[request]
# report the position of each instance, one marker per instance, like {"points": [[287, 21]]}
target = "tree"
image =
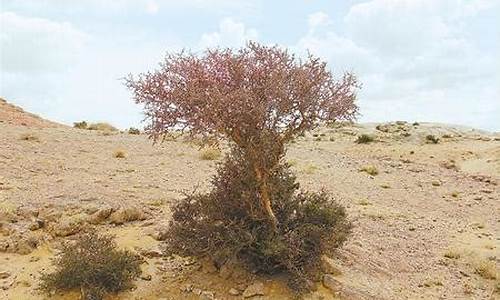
{"points": [[258, 97]]}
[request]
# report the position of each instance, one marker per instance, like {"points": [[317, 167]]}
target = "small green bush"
{"points": [[92, 265], [226, 223], [102, 127], [80, 125], [431, 139], [364, 139], [133, 130]]}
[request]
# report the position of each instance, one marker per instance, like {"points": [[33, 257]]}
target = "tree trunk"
{"points": [[265, 197]]}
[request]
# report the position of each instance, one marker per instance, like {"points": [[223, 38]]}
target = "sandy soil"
{"points": [[427, 200]]}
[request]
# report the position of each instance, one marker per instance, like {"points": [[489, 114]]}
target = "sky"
{"points": [[418, 60]]}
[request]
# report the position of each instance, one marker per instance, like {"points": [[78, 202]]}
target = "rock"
{"points": [[329, 266], [207, 295], [232, 269], [26, 245], [4, 274], [255, 289], [36, 224], [151, 253], [68, 226], [208, 266], [100, 215], [146, 277], [5, 285], [127, 214], [160, 233], [331, 283], [436, 183], [234, 292], [197, 291]]}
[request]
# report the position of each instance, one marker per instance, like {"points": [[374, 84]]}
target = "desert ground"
{"points": [[426, 216]]}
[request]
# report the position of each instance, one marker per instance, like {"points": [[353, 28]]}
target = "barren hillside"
{"points": [[426, 222]]}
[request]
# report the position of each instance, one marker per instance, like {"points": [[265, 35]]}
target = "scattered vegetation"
{"points": [[133, 130], [119, 154], [369, 169], [30, 137], [102, 127], [80, 125], [210, 154], [431, 139], [364, 139], [93, 265]]}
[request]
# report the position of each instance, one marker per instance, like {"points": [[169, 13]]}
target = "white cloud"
{"points": [[230, 34], [415, 60], [152, 7], [36, 44], [318, 19]]}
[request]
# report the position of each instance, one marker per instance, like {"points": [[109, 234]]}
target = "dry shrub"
{"points": [[119, 154], [30, 137], [486, 268], [102, 127], [364, 139], [210, 154], [80, 125], [371, 170], [133, 130], [431, 139], [229, 223], [94, 266]]}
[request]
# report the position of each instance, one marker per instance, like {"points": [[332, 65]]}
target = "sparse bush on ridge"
{"points": [[92, 265], [364, 139], [80, 125], [259, 99], [101, 126], [133, 130]]}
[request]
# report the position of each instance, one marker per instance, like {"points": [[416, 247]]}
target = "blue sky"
{"points": [[419, 60]]}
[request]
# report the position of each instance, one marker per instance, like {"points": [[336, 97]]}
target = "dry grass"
{"points": [[310, 169], [119, 154], [452, 254], [210, 154], [29, 137], [485, 268], [364, 202], [369, 169]]}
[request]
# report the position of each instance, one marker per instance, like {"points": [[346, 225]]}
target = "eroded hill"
{"points": [[425, 214]]}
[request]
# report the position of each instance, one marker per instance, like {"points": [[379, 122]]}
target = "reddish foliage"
{"points": [[258, 97]]}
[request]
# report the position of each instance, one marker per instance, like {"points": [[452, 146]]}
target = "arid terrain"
{"points": [[426, 215]]}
